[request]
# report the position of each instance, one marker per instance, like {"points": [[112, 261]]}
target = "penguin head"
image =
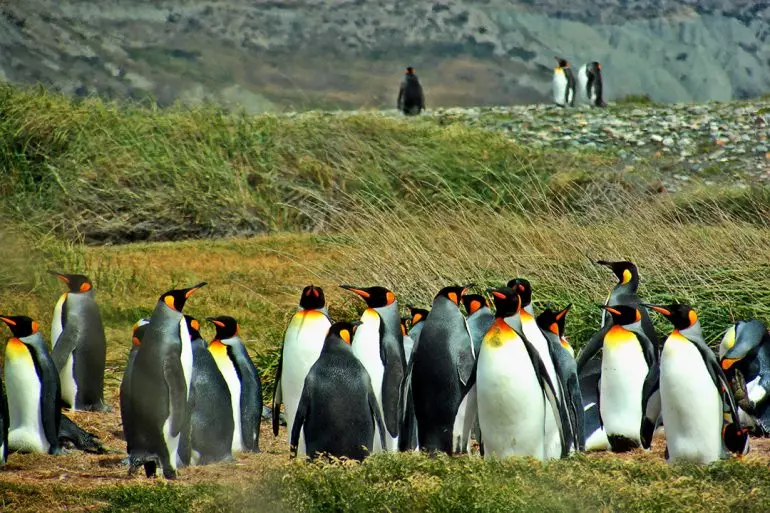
{"points": [[137, 332], [623, 315], [312, 298], [375, 297], [523, 289], [226, 327], [75, 282], [21, 325], [625, 271], [409, 70], [175, 299], [740, 340], [418, 315], [506, 300], [562, 62], [736, 438], [343, 330], [680, 315], [473, 303], [193, 327], [553, 321], [454, 293]]}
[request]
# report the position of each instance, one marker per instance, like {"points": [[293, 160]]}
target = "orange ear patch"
{"points": [[345, 335], [35, 327], [85, 287], [195, 325], [638, 315], [417, 318], [453, 297], [475, 305], [554, 328], [391, 297], [169, 300], [693, 317]]}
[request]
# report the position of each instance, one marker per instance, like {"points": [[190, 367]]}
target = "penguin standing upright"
{"points": [[3, 426], [159, 387], [590, 85], [301, 347], [378, 344], [744, 354], [227, 343], [137, 333], [211, 421], [699, 409], [513, 388], [79, 345], [338, 410], [563, 84], [33, 389], [442, 369], [411, 99], [407, 440]]}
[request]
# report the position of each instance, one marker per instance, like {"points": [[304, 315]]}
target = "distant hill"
{"points": [[272, 54]]}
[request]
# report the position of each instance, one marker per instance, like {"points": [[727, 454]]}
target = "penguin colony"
{"points": [[434, 381]]}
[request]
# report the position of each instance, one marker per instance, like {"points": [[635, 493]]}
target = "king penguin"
{"points": [[378, 344], [590, 86], [407, 440], [3, 426], [513, 388], [698, 405], [338, 410], [442, 369], [563, 84], [302, 345], [79, 345], [744, 354], [160, 386], [211, 422], [227, 347], [479, 318], [33, 389], [408, 341], [137, 333]]}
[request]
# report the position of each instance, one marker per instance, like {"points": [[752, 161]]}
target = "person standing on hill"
{"points": [[411, 100]]}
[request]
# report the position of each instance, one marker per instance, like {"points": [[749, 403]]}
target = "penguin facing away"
{"points": [[302, 344], [79, 344], [211, 422], [563, 84], [744, 355], [590, 85], [228, 344], [338, 410], [137, 333], [699, 409], [159, 387], [407, 440], [378, 344], [442, 371], [513, 388], [411, 100], [32, 384]]}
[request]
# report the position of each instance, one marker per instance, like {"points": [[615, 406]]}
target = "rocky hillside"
{"points": [[268, 54]]}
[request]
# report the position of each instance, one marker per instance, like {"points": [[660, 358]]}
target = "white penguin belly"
{"points": [[69, 388], [559, 85], [228, 371], [366, 347], [23, 389], [187, 356], [582, 96], [510, 402], [302, 346], [692, 408], [623, 372]]}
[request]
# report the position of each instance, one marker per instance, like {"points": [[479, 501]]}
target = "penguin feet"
{"points": [[169, 473], [100, 407], [620, 443]]}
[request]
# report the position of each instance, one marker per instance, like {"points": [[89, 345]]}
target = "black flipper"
{"points": [[64, 346], [173, 374], [392, 383], [592, 347], [277, 394], [650, 396], [50, 397], [77, 436], [299, 420]]}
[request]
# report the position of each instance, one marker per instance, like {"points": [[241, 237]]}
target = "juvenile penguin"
{"points": [[442, 369], [698, 404], [744, 354], [302, 345], [513, 388], [211, 423], [33, 389], [411, 99], [480, 318], [160, 386], [338, 410], [79, 345], [407, 440], [137, 333], [563, 84], [628, 358], [378, 344], [590, 85], [233, 361]]}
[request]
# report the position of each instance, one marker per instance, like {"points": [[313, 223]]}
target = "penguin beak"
{"points": [[563, 312], [215, 322], [364, 294], [9, 322], [189, 292], [659, 309], [610, 310], [61, 277]]}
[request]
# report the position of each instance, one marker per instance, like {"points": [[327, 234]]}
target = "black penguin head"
{"points": [[553, 321], [523, 289], [343, 330], [736, 438], [562, 62], [740, 340], [409, 70], [454, 293], [375, 297], [312, 298], [226, 326], [623, 315], [75, 282], [21, 325], [595, 67], [175, 299], [625, 271], [680, 315], [418, 315], [193, 327], [137, 331], [473, 303], [506, 300]]}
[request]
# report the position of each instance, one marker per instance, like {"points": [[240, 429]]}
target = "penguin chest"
{"points": [[366, 347], [624, 370], [227, 368], [690, 402], [559, 85], [537, 339], [23, 386], [187, 354], [69, 387]]}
